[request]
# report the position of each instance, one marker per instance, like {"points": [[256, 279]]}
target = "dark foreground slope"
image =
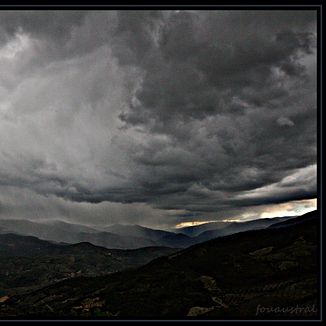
{"points": [[239, 276], [28, 263]]}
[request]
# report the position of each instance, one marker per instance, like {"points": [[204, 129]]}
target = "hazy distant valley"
{"points": [[212, 274]]}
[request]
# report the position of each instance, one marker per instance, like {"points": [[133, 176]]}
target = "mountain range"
{"points": [[265, 273], [130, 236]]}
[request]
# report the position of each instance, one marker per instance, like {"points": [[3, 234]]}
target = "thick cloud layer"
{"points": [[182, 112]]}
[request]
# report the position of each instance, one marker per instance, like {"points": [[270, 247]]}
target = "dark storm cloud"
{"points": [[194, 71], [194, 111], [53, 28], [296, 194], [48, 23], [245, 71], [58, 35]]}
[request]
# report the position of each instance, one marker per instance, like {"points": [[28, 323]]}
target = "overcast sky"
{"points": [[157, 117]]}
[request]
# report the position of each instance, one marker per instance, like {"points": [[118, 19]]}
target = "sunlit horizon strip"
{"points": [[293, 208]]}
